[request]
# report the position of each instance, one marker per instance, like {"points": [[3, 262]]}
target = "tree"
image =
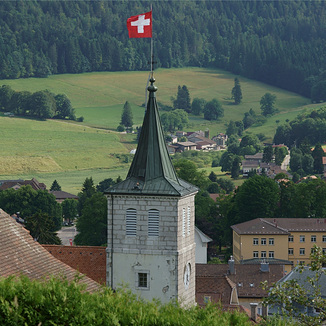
{"points": [[197, 106], [188, 171], [64, 107], [20, 103], [126, 117], [88, 191], [267, 104], [227, 161], [213, 110], [6, 92], [42, 105], [280, 153], [41, 227], [268, 154], [92, 224], [105, 184], [257, 197], [301, 290], [212, 176], [55, 186], [249, 118], [236, 91], [174, 120], [69, 209], [235, 171], [182, 101], [317, 155]]}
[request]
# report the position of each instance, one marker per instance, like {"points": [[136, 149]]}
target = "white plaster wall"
{"points": [[201, 250]]}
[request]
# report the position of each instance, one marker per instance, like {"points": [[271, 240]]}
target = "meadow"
{"points": [[69, 151]]}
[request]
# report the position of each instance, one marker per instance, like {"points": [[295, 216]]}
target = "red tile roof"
{"points": [[20, 254], [88, 260]]}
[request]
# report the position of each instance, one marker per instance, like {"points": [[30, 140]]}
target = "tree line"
{"points": [[281, 43], [41, 104]]}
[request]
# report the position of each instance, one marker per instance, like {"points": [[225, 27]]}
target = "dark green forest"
{"points": [[282, 43]]}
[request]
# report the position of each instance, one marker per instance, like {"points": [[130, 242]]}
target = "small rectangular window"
{"points": [[290, 251], [263, 254], [324, 250], [271, 241], [290, 238], [207, 299], [255, 254], [263, 241], [302, 238], [302, 251], [324, 238], [255, 241], [142, 280], [313, 238], [271, 254]]}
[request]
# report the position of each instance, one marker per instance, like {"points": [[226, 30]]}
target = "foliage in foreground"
{"points": [[303, 293], [59, 302]]}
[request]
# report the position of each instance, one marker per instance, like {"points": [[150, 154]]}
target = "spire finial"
{"points": [[151, 87]]}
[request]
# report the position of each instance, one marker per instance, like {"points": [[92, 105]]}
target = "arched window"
{"points": [[153, 222], [131, 222]]}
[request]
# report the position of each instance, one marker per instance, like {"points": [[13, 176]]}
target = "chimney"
{"points": [[231, 266], [253, 307], [264, 267]]}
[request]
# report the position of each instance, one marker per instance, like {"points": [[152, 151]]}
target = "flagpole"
{"points": [[152, 56], [151, 74]]}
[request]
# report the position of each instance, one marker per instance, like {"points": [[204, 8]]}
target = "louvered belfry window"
{"points": [[131, 222], [153, 222]]}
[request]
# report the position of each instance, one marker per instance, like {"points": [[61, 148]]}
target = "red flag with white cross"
{"points": [[140, 25]]}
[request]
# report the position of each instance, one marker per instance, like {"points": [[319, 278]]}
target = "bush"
{"points": [[60, 302], [80, 119], [120, 128]]}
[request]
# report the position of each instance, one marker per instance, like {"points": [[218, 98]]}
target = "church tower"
{"points": [[151, 221]]}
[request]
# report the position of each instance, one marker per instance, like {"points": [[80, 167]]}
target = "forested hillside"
{"points": [[278, 42]]}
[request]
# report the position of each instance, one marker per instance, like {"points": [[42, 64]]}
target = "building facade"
{"points": [[151, 222], [290, 239]]}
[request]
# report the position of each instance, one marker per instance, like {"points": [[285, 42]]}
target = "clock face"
{"points": [[186, 275]]}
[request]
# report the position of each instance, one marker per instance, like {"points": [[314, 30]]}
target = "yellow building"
{"points": [[288, 239]]}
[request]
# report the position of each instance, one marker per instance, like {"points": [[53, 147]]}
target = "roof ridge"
{"points": [[274, 225]]}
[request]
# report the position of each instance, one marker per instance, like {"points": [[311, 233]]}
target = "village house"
{"points": [[288, 239], [235, 284]]}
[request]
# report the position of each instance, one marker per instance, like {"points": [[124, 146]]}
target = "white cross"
{"points": [[140, 23]]}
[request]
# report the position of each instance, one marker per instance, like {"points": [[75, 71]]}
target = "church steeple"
{"points": [[151, 171]]}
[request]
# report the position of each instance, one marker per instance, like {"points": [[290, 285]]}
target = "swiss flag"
{"points": [[140, 25]]}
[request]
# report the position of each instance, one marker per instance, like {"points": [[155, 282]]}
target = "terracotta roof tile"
{"points": [[20, 254], [88, 260]]}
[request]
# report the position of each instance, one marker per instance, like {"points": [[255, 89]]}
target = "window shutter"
{"points": [[131, 222], [153, 223]]}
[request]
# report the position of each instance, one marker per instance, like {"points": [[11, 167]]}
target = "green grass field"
{"points": [[70, 151]]}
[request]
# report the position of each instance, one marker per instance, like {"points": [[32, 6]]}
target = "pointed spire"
{"points": [[152, 171], [152, 159]]}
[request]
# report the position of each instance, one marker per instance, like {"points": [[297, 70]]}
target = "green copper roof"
{"points": [[151, 171]]}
